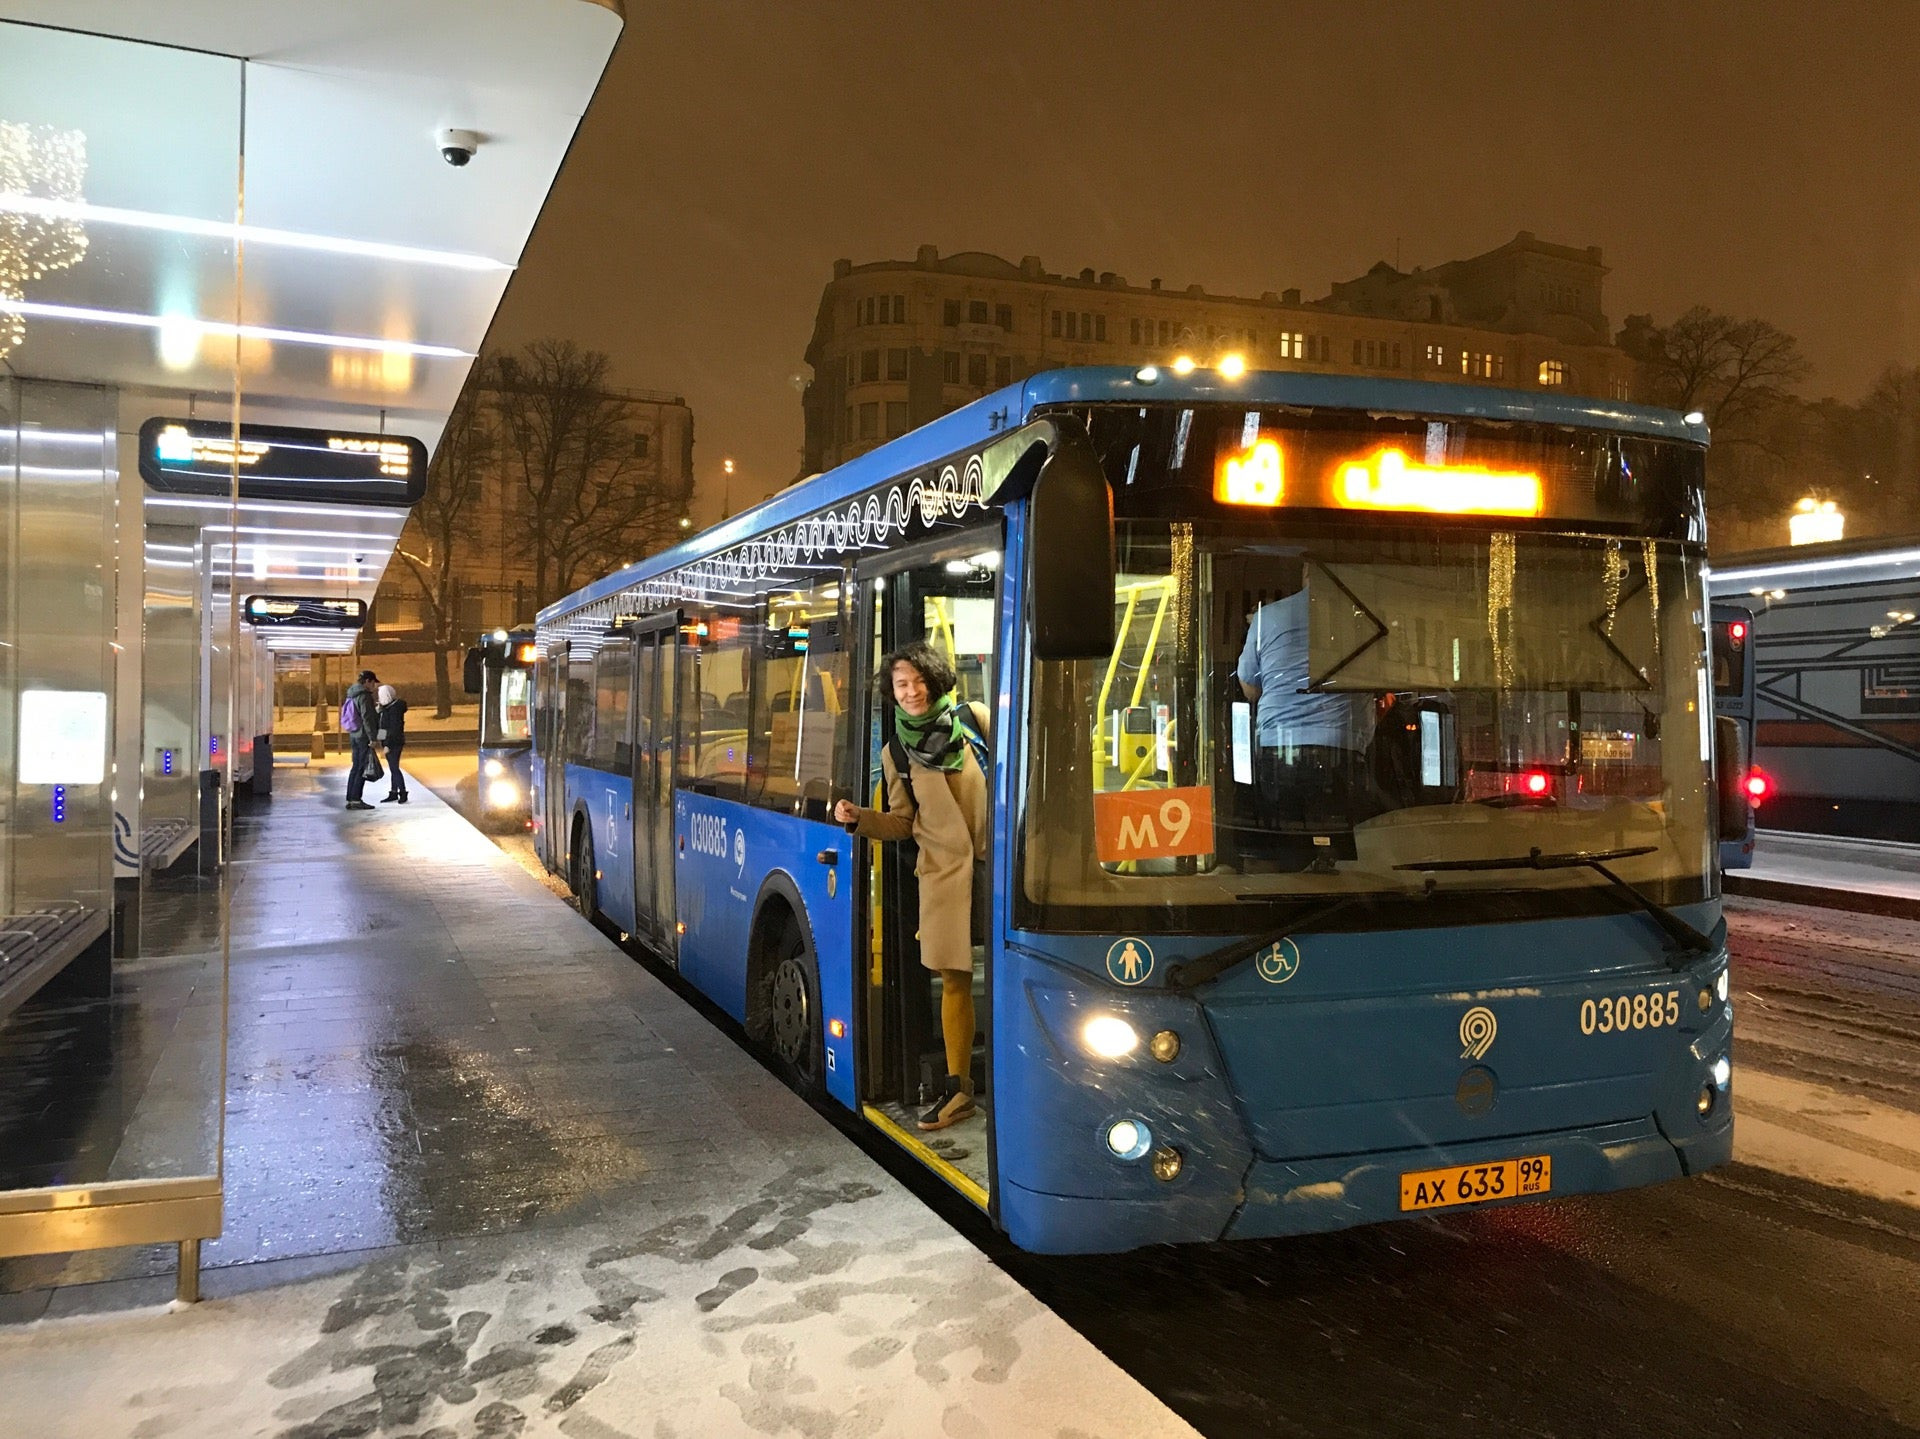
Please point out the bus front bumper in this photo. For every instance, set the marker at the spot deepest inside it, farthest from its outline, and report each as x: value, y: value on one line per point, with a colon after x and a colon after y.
x: 1305, y: 1197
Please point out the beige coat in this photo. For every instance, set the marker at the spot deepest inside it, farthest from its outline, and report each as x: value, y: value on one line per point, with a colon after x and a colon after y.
x: 950, y: 826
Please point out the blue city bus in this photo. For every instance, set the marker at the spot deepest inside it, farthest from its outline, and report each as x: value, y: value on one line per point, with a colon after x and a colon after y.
x: 1731, y: 648
x: 1238, y: 980
x: 499, y: 669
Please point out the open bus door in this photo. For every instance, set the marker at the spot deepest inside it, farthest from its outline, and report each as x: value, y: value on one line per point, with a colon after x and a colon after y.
x: 947, y: 594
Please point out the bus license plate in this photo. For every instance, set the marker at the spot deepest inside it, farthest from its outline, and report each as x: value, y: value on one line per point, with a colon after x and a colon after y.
x: 1475, y: 1183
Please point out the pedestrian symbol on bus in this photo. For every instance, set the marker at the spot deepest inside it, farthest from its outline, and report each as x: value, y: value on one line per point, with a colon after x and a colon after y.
x: 1278, y: 963
x: 1130, y: 960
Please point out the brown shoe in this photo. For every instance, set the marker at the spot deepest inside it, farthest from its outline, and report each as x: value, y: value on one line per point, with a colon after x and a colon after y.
x: 955, y: 1104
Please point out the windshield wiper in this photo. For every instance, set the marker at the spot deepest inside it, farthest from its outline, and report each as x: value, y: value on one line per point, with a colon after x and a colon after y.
x: 1676, y: 928
x: 1209, y: 967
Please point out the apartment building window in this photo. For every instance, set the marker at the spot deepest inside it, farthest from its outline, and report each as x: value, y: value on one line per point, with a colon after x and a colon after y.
x: 1056, y: 324
x: 1166, y: 331
x: 1619, y: 388
x: 1437, y: 356
x: 852, y: 365
x: 847, y: 433
x: 642, y: 445
x: 896, y: 364
x: 1359, y: 352
x: 883, y: 310
x: 950, y: 366
x: 899, y: 309
x: 1100, y: 327
x: 896, y: 418
x: 869, y: 365
x: 1003, y: 317
x: 1326, y: 349
x: 977, y: 312
x: 950, y: 313
x: 1553, y: 372
x: 1003, y: 370
x: 1293, y: 345
x: 869, y: 420
x: 1133, y: 332
x: 977, y: 371
x: 1396, y: 354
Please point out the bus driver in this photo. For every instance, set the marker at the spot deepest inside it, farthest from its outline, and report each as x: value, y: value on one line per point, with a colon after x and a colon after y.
x: 1310, y: 747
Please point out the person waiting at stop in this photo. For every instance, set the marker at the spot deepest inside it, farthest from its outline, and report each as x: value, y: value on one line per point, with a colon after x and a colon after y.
x: 937, y: 797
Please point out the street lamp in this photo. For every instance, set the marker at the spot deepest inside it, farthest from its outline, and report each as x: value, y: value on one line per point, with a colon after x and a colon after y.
x: 1815, y: 522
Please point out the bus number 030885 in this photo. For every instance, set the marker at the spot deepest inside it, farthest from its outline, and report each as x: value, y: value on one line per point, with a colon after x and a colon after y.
x: 1629, y: 1011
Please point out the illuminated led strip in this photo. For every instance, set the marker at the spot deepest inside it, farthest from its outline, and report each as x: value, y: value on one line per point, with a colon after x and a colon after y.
x: 247, y: 234
x: 1814, y: 567
x: 397, y: 517
x: 33, y: 309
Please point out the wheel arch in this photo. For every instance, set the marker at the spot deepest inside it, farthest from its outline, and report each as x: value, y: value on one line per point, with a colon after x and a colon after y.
x: 778, y: 894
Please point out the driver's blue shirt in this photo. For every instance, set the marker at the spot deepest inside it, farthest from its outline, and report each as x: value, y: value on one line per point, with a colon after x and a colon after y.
x: 1289, y: 716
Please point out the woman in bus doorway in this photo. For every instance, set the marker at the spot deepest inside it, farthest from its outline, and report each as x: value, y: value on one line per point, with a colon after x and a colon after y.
x: 937, y: 797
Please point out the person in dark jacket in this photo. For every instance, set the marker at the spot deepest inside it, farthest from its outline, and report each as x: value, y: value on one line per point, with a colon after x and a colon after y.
x: 393, y: 734
x: 361, y: 698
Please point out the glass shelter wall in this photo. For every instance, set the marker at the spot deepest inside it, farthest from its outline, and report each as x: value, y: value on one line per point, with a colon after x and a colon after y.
x: 117, y: 302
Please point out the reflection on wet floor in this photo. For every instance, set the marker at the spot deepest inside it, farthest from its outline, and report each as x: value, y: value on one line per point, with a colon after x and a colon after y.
x: 111, y: 1072
x: 408, y: 1060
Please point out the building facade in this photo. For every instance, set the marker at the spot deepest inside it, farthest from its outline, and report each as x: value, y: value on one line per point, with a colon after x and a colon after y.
x: 897, y: 343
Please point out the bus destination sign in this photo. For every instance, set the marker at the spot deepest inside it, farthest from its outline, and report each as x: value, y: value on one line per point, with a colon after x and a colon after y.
x: 279, y: 462
x: 302, y: 612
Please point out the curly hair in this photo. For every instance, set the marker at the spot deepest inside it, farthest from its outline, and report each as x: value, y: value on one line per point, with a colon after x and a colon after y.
x: 935, y: 668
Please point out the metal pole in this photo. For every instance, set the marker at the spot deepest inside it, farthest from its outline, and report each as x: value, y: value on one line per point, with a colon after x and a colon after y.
x: 186, y: 1284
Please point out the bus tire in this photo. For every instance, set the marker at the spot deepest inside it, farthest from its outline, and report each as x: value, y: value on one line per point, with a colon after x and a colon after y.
x: 790, y: 1030
x: 585, y: 886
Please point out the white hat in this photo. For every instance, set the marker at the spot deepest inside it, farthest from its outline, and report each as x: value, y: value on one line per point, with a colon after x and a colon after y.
x: 384, y: 695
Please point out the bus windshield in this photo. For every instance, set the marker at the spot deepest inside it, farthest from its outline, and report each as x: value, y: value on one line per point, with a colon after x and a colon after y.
x: 1298, y: 716
x: 503, y: 708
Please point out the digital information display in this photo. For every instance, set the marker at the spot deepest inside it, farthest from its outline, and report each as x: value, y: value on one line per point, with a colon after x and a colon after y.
x: 278, y: 462
x: 301, y: 612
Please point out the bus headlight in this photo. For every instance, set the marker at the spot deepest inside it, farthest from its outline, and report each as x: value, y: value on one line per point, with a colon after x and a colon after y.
x: 1722, y: 1072
x: 1164, y: 1046
x: 494, y: 769
x: 1720, y: 986
x: 1128, y: 1138
x: 503, y: 794
x: 1109, y: 1036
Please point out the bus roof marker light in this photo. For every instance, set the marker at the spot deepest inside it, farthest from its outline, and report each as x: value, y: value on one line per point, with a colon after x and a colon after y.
x: 1147, y: 375
x: 1388, y: 480
x: 1257, y: 477
x: 1183, y: 365
x: 1233, y: 366
x: 1694, y: 417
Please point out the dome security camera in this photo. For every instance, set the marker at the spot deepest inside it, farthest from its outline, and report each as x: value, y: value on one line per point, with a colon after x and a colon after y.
x: 457, y: 146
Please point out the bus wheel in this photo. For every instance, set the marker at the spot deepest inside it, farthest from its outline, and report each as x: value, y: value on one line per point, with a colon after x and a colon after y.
x: 793, y: 1007
x: 586, y: 889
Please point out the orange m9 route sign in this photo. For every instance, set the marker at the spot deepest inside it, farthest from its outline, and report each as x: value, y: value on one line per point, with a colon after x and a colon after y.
x: 1152, y: 823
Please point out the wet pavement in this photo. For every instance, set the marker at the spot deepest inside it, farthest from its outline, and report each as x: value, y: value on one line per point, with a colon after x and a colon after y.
x: 1868, y: 875
x: 486, y: 1175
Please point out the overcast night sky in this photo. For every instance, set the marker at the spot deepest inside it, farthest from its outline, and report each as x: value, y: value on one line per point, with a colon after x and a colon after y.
x: 1760, y: 157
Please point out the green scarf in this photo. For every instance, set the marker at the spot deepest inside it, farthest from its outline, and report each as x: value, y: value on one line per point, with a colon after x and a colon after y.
x: 935, y: 738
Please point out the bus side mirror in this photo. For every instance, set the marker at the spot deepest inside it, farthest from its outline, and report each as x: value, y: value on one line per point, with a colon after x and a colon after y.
x: 1730, y: 777
x: 474, y: 674
x: 1052, y: 465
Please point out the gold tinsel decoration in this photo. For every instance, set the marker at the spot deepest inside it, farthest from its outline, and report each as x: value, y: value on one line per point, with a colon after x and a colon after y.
x: 1650, y: 557
x: 44, y: 164
x: 1500, y: 607
x: 1613, y: 576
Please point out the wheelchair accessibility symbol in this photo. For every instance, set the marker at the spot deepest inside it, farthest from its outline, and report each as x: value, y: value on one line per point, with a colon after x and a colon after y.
x: 1130, y: 961
x: 1278, y: 963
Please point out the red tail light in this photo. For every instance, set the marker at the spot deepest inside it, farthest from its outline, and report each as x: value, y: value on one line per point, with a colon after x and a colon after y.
x: 1536, y: 781
x: 1759, y: 786
x: 1737, y: 631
